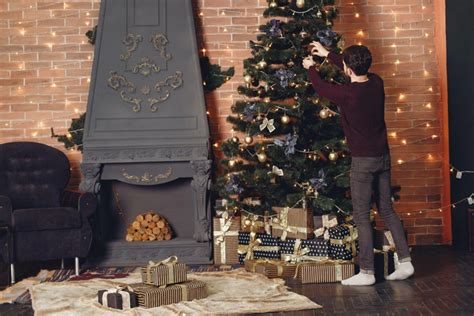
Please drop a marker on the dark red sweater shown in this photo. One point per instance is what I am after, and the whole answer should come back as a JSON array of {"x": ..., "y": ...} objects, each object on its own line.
[{"x": 362, "y": 107}]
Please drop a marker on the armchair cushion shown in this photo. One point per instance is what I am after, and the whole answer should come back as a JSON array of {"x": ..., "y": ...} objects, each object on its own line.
[{"x": 37, "y": 219}]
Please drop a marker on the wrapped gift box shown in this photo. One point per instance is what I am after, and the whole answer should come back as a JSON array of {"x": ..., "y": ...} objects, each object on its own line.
[
  {"x": 118, "y": 298},
  {"x": 152, "y": 296},
  {"x": 325, "y": 221},
  {"x": 258, "y": 246},
  {"x": 343, "y": 242},
  {"x": 324, "y": 272},
  {"x": 226, "y": 232},
  {"x": 384, "y": 263},
  {"x": 383, "y": 239},
  {"x": 311, "y": 249},
  {"x": 293, "y": 223},
  {"x": 165, "y": 272},
  {"x": 271, "y": 268}
]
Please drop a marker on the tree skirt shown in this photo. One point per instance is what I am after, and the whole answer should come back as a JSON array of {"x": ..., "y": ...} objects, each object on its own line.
[{"x": 235, "y": 291}]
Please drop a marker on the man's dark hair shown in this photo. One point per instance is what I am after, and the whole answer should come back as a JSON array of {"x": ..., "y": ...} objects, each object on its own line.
[{"x": 358, "y": 58}]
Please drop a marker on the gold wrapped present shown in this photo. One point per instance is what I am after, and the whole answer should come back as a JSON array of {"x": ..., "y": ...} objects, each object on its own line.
[
  {"x": 254, "y": 245},
  {"x": 271, "y": 268},
  {"x": 226, "y": 239},
  {"x": 327, "y": 271},
  {"x": 164, "y": 272},
  {"x": 152, "y": 296},
  {"x": 293, "y": 223}
]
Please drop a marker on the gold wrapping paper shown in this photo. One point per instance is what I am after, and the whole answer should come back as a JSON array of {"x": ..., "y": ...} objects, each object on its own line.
[
  {"x": 327, "y": 271},
  {"x": 164, "y": 272},
  {"x": 151, "y": 296},
  {"x": 271, "y": 268},
  {"x": 226, "y": 241},
  {"x": 293, "y": 223}
]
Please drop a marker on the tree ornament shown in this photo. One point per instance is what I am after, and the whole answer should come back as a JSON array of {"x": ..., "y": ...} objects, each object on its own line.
[
  {"x": 235, "y": 139},
  {"x": 324, "y": 113},
  {"x": 300, "y": 3},
  {"x": 273, "y": 4},
  {"x": 262, "y": 157},
  {"x": 267, "y": 99},
  {"x": 268, "y": 124},
  {"x": 262, "y": 64},
  {"x": 248, "y": 139},
  {"x": 319, "y": 14},
  {"x": 333, "y": 156},
  {"x": 248, "y": 78},
  {"x": 232, "y": 163},
  {"x": 285, "y": 119},
  {"x": 315, "y": 157},
  {"x": 247, "y": 222}
]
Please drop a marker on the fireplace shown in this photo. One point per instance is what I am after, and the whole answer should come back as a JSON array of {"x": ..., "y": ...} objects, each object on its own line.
[{"x": 146, "y": 137}]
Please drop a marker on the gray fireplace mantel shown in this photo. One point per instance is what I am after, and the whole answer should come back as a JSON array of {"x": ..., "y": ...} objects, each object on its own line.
[{"x": 146, "y": 122}]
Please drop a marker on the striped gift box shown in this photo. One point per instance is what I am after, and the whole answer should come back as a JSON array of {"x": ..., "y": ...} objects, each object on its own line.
[
  {"x": 159, "y": 274},
  {"x": 226, "y": 240},
  {"x": 151, "y": 296},
  {"x": 271, "y": 268},
  {"x": 324, "y": 272}
]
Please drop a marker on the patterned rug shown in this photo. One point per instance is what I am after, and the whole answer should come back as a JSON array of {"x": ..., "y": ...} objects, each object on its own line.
[{"x": 234, "y": 291}]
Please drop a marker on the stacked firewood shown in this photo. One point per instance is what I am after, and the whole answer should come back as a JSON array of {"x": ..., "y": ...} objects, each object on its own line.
[{"x": 149, "y": 226}]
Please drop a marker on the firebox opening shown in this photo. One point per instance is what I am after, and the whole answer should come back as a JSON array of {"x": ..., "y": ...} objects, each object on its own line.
[{"x": 173, "y": 200}]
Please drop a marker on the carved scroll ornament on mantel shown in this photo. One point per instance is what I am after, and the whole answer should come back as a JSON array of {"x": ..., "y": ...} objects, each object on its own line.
[
  {"x": 147, "y": 177},
  {"x": 146, "y": 67}
]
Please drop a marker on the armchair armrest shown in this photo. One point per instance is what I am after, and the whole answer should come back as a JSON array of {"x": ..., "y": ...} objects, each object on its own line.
[
  {"x": 5, "y": 210},
  {"x": 86, "y": 203}
]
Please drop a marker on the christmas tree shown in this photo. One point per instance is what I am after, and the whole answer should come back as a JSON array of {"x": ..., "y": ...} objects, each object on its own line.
[{"x": 291, "y": 151}]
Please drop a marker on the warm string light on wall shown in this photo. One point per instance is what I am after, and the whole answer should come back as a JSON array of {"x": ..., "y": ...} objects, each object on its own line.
[{"x": 27, "y": 28}]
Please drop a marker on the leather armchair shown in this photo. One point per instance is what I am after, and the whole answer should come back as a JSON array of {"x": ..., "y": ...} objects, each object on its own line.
[{"x": 47, "y": 222}]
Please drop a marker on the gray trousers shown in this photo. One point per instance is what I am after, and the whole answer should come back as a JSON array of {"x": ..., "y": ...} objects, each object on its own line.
[{"x": 365, "y": 171}]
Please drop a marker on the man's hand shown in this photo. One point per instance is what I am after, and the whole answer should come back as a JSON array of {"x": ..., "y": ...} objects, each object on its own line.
[
  {"x": 308, "y": 62},
  {"x": 318, "y": 49}
]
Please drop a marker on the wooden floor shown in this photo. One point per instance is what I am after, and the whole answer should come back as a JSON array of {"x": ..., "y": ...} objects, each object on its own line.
[{"x": 443, "y": 285}]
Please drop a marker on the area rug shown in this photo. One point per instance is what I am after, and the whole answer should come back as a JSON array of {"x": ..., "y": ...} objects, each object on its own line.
[{"x": 230, "y": 292}]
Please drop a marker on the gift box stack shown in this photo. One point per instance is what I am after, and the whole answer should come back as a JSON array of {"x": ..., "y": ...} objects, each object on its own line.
[
  {"x": 163, "y": 283},
  {"x": 385, "y": 255}
]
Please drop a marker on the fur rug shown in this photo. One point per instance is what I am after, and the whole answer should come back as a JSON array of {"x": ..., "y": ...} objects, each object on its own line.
[{"x": 235, "y": 291}]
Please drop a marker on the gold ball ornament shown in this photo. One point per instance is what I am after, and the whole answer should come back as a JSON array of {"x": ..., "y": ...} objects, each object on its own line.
[
  {"x": 248, "y": 78},
  {"x": 262, "y": 157},
  {"x": 248, "y": 139},
  {"x": 333, "y": 156},
  {"x": 247, "y": 222},
  {"x": 235, "y": 139},
  {"x": 262, "y": 64},
  {"x": 324, "y": 113},
  {"x": 285, "y": 119},
  {"x": 232, "y": 163},
  {"x": 300, "y": 3},
  {"x": 273, "y": 4}
]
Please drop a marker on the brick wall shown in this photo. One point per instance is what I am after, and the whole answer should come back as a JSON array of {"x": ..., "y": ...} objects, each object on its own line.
[{"x": 45, "y": 64}]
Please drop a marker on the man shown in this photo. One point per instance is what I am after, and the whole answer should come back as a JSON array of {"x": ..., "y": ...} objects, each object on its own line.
[{"x": 362, "y": 105}]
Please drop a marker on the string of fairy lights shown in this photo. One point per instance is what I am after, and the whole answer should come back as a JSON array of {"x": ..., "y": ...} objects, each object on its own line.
[{"x": 28, "y": 28}]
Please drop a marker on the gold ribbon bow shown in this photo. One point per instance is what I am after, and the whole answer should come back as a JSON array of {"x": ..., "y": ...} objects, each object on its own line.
[
  {"x": 348, "y": 241},
  {"x": 327, "y": 223},
  {"x": 170, "y": 262},
  {"x": 283, "y": 224},
  {"x": 248, "y": 249},
  {"x": 255, "y": 224},
  {"x": 267, "y": 124}
]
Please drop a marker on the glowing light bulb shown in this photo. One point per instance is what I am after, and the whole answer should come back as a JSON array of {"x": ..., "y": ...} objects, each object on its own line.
[
  {"x": 50, "y": 45},
  {"x": 401, "y": 96},
  {"x": 208, "y": 113},
  {"x": 203, "y": 51},
  {"x": 87, "y": 13},
  {"x": 87, "y": 23},
  {"x": 75, "y": 110},
  {"x": 225, "y": 29},
  {"x": 357, "y": 15},
  {"x": 430, "y": 89},
  {"x": 201, "y": 14},
  {"x": 22, "y": 32},
  {"x": 53, "y": 85},
  {"x": 399, "y": 161},
  {"x": 215, "y": 145},
  {"x": 434, "y": 136},
  {"x": 399, "y": 110},
  {"x": 53, "y": 33},
  {"x": 404, "y": 142},
  {"x": 428, "y": 105},
  {"x": 428, "y": 125},
  {"x": 397, "y": 62},
  {"x": 34, "y": 134},
  {"x": 360, "y": 33},
  {"x": 394, "y": 45},
  {"x": 394, "y": 134}
]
